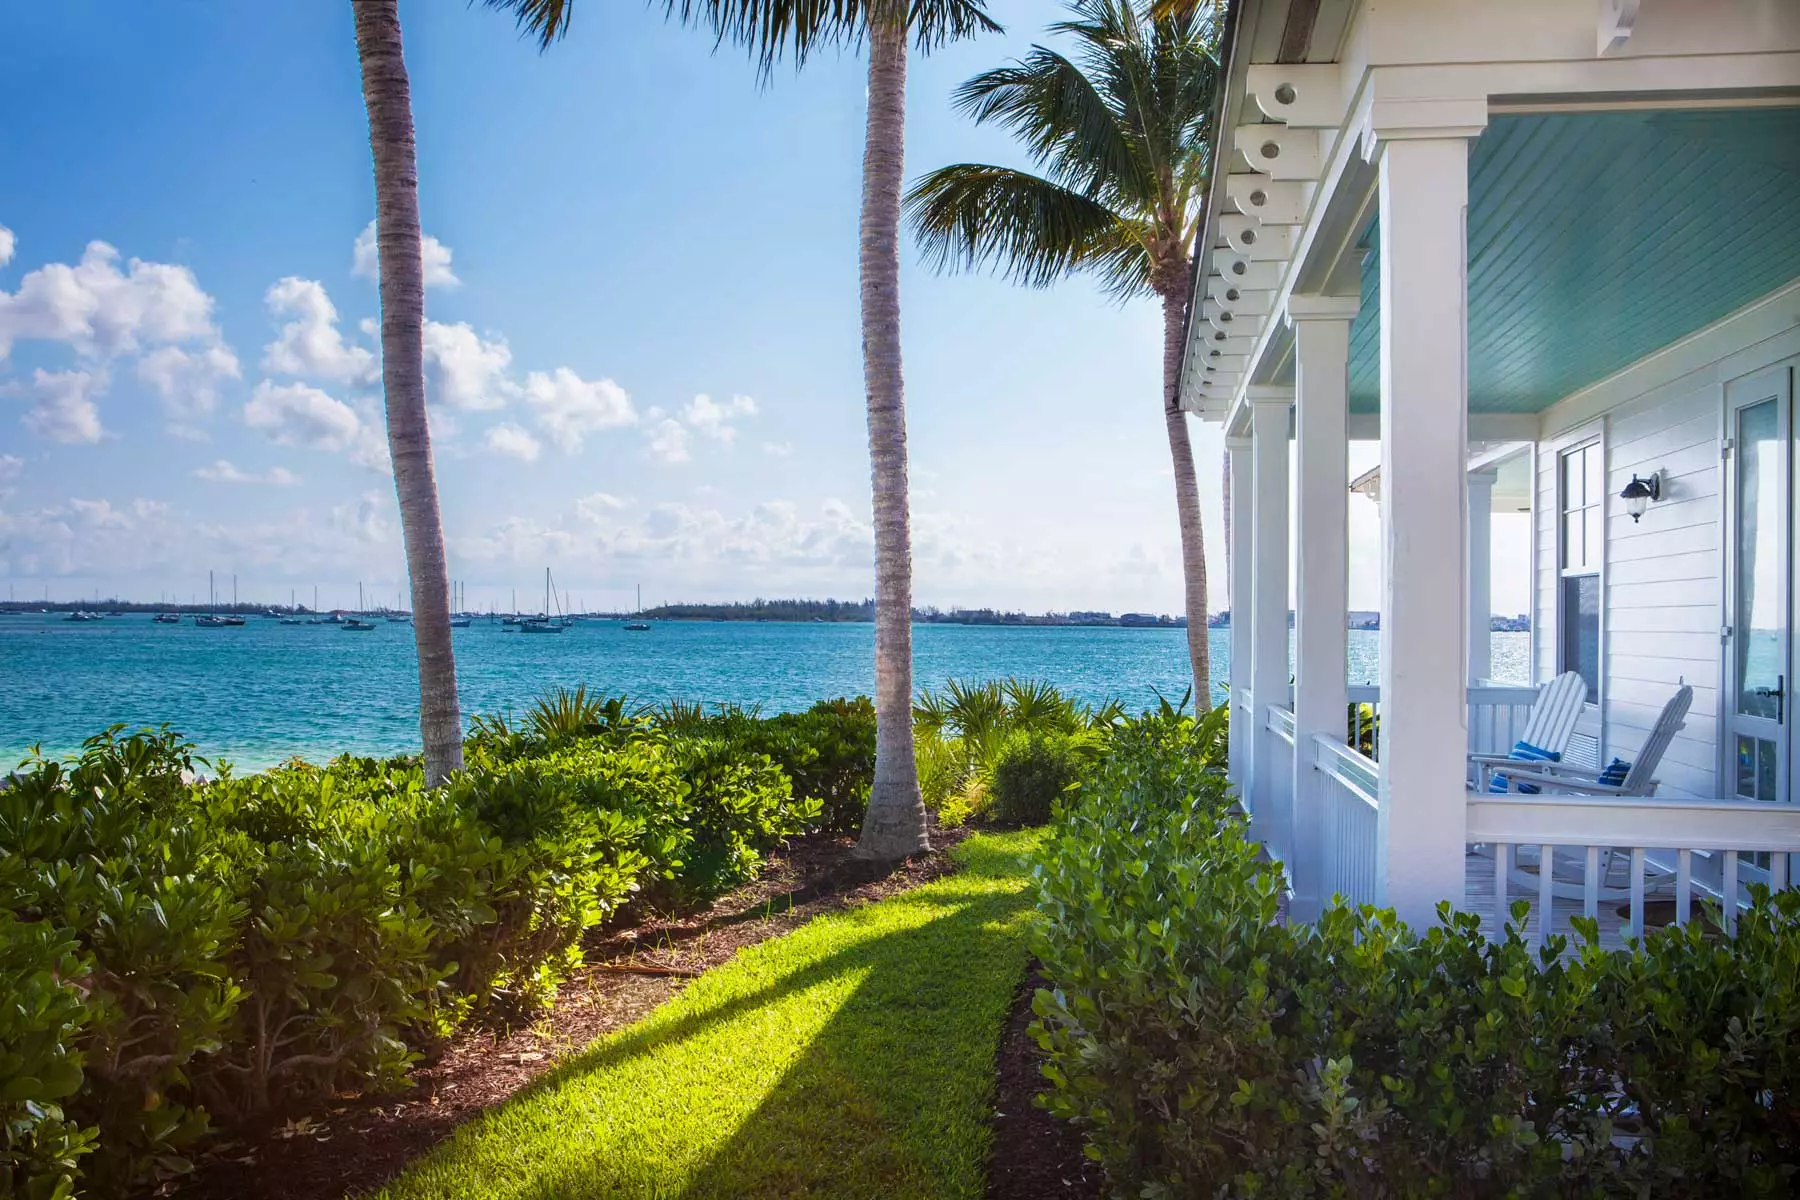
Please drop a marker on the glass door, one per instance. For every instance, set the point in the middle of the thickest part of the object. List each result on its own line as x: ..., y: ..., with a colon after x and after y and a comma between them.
x: 1760, y: 468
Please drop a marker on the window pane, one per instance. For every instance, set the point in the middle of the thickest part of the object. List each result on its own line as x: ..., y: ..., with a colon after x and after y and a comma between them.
x: 1579, y: 619
x: 1760, y: 604
x: 1596, y: 475
x: 1572, y: 553
x: 1596, y: 537
x: 1571, y: 486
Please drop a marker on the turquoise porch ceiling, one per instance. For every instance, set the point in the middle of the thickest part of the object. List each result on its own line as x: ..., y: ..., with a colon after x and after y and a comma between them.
x: 1595, y: 238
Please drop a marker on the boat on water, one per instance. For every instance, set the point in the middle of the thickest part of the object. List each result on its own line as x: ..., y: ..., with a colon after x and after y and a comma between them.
x: 167, y: 618
x: 545, y: 623
x: 292, y: 621
x: 637, y: 624
x: 459, y: 622
x: 357, y: 625
x: 83, y: 617
x: 212, y: 619
x: 398, y: 619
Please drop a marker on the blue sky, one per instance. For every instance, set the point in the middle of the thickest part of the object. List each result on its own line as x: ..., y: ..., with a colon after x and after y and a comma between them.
x: 644, y: 361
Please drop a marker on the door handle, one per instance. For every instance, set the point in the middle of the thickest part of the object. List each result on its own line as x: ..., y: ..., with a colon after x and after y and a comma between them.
x: 1778, y: 693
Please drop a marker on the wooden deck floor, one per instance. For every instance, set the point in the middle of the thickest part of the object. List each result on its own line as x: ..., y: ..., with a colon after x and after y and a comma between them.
x: 1479, y: 898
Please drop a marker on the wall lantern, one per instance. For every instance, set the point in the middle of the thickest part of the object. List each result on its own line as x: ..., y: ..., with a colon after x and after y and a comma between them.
x: 1639, y: 493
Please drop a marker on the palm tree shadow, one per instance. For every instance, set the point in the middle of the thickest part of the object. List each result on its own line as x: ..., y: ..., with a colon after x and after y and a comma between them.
x: 877, y: 1104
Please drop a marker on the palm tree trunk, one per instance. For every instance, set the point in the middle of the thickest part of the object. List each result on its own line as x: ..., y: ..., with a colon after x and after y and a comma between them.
x: 388, y: 96
x: 1187, y: 501
x: 895, y: 824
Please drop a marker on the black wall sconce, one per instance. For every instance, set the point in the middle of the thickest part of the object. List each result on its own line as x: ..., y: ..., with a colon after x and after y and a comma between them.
x: 1639, y: 493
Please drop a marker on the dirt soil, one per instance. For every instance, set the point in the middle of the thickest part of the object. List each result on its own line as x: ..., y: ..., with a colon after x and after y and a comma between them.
x: 1035, y: 1155
x: 357, y: 1143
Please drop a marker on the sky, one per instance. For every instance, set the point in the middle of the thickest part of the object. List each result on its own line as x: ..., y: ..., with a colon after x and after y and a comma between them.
x: 643, y: 359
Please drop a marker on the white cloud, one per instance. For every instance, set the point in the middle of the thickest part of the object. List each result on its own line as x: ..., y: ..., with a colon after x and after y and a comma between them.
x: 778, y: 449
x: 468, y: 371
x: 668, y: 441
x: 512, y: 442
x: 599, y: 507
x: 711, y: 419
x: 8, y: 243
x: 365, y: 259
x: 188, y: 381
x: 100, y: 310
x: 224, y: 471
x: 11, y: 466
x: 295, y: 414
x: 568, y: 407
x: 65, y: 409
x: 310, y: 345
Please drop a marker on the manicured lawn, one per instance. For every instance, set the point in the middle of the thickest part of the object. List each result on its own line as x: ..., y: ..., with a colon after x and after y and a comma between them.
x: 852, y: 1058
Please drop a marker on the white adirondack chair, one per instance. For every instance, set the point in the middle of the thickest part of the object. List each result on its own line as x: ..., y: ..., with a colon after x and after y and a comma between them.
x: 1554, y: 779
x: 1551, y: 725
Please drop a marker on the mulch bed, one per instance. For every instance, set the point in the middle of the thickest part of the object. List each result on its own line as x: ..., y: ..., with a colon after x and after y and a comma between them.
x: 357, y: 1143
x: 1035, y: 1154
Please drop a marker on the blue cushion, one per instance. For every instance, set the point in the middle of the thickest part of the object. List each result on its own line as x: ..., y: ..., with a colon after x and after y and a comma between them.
x: 1615, y: 772
x: 1523, y: 752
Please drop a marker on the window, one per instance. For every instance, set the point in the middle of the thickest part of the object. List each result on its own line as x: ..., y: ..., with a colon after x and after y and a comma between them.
x: 1583, y: 537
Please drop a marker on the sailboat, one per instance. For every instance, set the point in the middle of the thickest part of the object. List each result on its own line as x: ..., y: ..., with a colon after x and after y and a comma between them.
x: 211, y: 618
x: 293, y: 617
x: 545, y: 623
x: 637, y: 624
x: 459, y: 614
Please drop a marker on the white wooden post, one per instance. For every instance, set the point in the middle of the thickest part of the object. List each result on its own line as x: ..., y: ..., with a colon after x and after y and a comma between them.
x: 1481, y: 595
x: 1272, y: 818
x: 1424, y: 188
x: 1321, y: 570
x: 1238, y: 557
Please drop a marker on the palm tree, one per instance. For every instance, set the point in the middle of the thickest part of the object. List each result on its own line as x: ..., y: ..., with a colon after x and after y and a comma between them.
x: 1123, y: 135
x: 387, y: 94
x: 895, y: 825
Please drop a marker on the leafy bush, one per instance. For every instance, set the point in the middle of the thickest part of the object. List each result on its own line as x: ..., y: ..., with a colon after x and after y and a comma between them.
x: 1207, y: 1048
x: 1035, y: 770
x: 41, y: 981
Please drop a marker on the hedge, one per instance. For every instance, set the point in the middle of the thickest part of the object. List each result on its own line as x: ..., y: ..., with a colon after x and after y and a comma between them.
x: 178, y: 954
x: 1206, y: 1048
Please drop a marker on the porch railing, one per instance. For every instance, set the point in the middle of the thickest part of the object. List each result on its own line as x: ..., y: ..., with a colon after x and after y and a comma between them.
x: 1279, y: 722
x: 1350, y: 819
x: 1608, y: 858
x: 1497, y: 715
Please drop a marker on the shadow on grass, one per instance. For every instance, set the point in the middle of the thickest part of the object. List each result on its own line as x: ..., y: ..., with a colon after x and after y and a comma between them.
x: 887, y: 1097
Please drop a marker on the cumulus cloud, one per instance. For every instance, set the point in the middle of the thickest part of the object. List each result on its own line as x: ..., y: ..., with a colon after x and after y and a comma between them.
x: 224, y: 471
x: 188, y: 380
x: 467, y: 370
x: 668, y: 441
x: 510, y: 441
x: 599, y: 506
x: 365, y: 259
x: 101, y: 310
x: 8, y: 243
x: 310, y: 345
x: 65, y: 410
x: 711, y: 419
x: 296, y: 414
x: 568, y: 408
x: 778, y: 449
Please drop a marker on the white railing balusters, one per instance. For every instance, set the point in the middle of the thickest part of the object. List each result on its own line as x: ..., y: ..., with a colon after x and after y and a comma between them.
x: 1684, y: 885
x: 1729, y: 891
x: 1590, y: 884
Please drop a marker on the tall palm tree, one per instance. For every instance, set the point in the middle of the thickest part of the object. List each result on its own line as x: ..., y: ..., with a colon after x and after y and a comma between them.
x: 1122, y: 132
x: 894, y: 826
x: 387, y: 94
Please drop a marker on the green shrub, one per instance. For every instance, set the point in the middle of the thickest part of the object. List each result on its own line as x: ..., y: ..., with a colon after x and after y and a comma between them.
x: 741, y: 807
x: 42, y: 1011
x: 1206, y: 1048
x: 1033, y: 771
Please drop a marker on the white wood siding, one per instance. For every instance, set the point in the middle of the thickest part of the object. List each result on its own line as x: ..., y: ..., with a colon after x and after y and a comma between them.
x: 1664, y: 577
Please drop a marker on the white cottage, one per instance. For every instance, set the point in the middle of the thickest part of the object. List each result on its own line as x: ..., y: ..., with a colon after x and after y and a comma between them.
x: 1554, y: 243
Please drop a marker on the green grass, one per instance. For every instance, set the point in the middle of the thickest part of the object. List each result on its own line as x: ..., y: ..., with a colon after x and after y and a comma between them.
x: 853, y: 1057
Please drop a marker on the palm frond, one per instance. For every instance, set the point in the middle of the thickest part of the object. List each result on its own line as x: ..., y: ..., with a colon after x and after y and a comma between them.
x: 544, y: 20
x: 773, y: 30
x: 1024, y: 227
x: 1062, y: 118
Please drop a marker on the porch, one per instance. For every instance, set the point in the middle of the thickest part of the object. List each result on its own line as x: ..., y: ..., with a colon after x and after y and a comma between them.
x: 1577, y: 279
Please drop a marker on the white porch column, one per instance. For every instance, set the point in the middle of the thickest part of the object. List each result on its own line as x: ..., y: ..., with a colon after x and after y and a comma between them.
x: 1424, y: 188
x: 1269, y: 607
x: 1238, y: 558
x: 1481, y: 594
x: 1321, y: 569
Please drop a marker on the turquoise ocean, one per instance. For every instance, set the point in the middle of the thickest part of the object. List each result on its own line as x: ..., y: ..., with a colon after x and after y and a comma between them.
x: 264, y: 692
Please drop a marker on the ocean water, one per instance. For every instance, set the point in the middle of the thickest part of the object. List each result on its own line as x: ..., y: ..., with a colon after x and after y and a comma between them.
x: 263, y: 692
